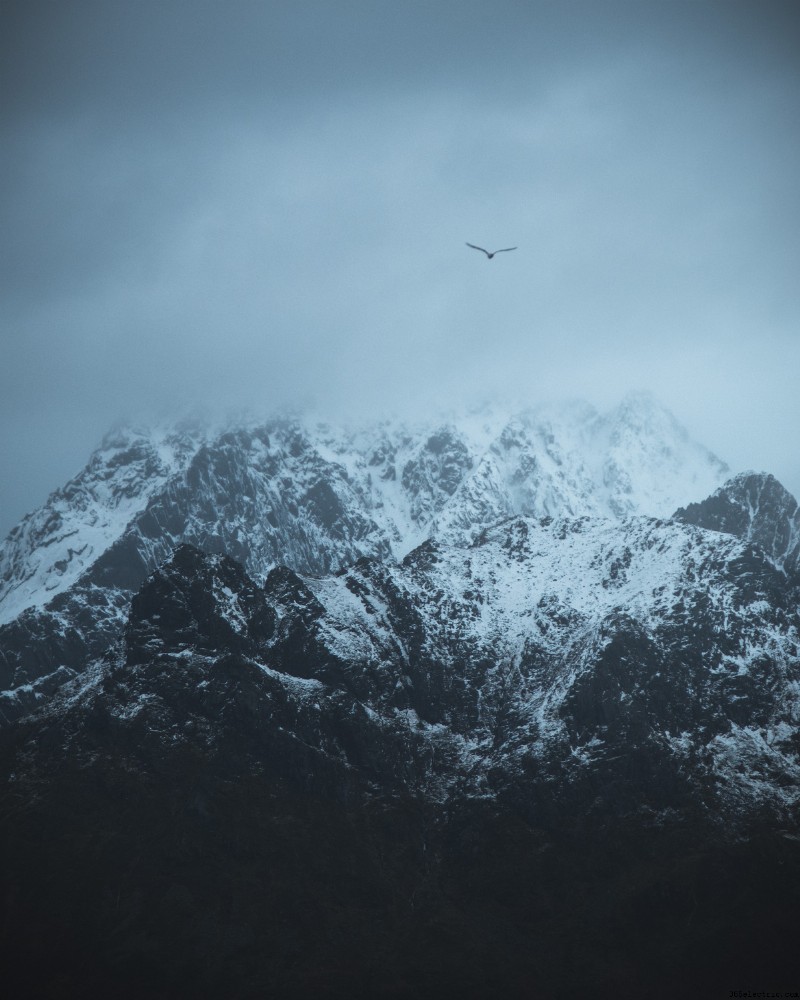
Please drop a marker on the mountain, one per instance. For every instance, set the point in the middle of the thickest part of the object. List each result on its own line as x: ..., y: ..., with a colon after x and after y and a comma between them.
x: 315, y: 498
x: 453, y: 710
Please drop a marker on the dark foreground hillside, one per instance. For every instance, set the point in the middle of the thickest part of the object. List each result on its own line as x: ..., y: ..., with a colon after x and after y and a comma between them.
x: 184, y: 879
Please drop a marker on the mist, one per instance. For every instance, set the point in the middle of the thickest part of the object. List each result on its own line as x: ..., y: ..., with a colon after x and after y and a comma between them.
x: 266, y: 206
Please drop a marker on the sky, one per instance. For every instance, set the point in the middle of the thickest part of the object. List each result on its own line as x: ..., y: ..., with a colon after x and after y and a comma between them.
x: 266, y: 204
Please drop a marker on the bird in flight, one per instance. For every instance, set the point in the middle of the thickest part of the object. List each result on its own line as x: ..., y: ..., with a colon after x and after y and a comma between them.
x: 488, y: 254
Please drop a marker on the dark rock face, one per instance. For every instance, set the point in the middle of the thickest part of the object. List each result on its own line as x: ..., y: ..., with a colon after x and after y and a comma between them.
x: 756, y: 508
x: 35, y: 644
x: 435, y: 474
x: 198, y: 603
x: 28, y: 697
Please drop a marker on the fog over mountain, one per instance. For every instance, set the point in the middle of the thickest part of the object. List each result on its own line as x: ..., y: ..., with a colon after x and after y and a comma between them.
x: 267, y: 205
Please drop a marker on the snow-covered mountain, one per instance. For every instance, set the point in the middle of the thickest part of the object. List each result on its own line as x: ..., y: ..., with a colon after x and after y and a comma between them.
x: 315, y: 497
x: 526, y: 687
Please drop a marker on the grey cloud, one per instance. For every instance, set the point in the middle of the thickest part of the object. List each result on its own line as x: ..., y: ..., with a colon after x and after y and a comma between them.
x: 266, y: 203
x: 157, y: 54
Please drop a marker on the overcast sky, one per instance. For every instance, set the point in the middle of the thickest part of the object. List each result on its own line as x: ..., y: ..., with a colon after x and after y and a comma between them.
x: 266, y: 203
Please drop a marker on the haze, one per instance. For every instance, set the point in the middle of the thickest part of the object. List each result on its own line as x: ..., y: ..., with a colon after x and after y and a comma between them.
x: 266, y: 205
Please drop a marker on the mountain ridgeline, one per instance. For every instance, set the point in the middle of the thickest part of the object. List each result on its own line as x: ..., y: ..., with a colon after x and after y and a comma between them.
x: 497, y: 706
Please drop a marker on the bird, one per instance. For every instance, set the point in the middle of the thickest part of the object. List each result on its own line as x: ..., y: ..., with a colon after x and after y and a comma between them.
x: 490, y: 255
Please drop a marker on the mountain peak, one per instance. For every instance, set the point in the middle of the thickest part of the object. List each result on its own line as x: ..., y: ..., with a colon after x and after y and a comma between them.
x: 755, y: 507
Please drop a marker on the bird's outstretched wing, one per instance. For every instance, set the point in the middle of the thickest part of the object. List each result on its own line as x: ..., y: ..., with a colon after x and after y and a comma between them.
x: 488, y: 253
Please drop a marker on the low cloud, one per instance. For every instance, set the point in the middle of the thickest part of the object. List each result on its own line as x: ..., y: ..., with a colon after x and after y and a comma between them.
x: 194, y: 219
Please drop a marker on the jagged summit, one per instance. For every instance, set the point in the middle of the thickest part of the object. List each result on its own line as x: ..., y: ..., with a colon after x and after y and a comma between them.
x: 317, y: 496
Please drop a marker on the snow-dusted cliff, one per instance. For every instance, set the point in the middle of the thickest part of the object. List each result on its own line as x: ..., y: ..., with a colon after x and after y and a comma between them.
x: 47, y: 552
